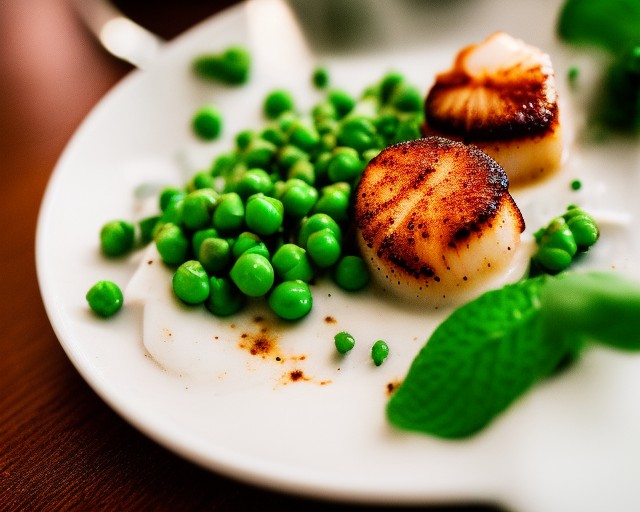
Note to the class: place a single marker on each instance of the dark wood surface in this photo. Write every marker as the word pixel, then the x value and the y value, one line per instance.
pixel 61 447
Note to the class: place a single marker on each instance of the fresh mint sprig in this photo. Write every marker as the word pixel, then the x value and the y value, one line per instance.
pixel 489 352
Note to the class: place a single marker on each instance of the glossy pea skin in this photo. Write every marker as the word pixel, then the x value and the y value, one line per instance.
pixel 291 300
pixel 379 352
pixel 342 101
pixel 229 214
pixel 324 248
pixel 105 298
pixel 334 201
pixel 317 222
pixel 172 244
pixel 345 165
pixel 259 153
pixel 583 227
pixel 344 342
pixel 147 227
pixel 252 274
pixel 264 215
pixel 245 241
pixel 291 263
pixel 214 254
pixel 277 102
pixel 167 195
pixel 200 236
pixel 351 273
pixel 117 238
pixel 557 246
pixel 191 282
pixel 207 122
pixel 224 297
pixel 254 181
pixel 198 207
pixel 298 198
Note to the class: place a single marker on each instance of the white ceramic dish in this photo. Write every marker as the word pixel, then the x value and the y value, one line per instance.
pixel 571 444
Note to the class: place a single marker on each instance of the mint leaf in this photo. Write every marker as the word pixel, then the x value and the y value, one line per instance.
pixel 602 306
pixel 477 362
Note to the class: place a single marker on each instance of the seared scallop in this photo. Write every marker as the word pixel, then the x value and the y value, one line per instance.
pixel 501 96
pixel 436 222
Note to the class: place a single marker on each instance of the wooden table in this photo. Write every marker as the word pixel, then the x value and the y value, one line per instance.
pixel 61 447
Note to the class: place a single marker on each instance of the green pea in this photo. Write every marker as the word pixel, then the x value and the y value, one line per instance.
pixel 169 194
pixel 335 203
pixel 252 274
pixel 224 297
pixel 274 135
pixel 344 166
pixel 223 164
pixel 200 236
pixel 229 214
pixel 291 300
pixel 254 181
pixel 320 77
pixel 264 214
pixel 317 222
pixel 342 101
pixel 244 138
pixel 387 125
pixel 147 227
pixel 289 155
pixel 298 198
pixel 583 227
pixel 407 98
pixel 260 249
pixel 245 241
pixel 202 179
pixel 197 208
pixel 117 237
pixel 379 352
pixel 207 122
pixel 357 133
pixel 290 263
pixel 304 137
pixel 553 258
pixel 344 342
pixel 323 248
pixel 278 102
pixel 259 153
pixel 408 129
pixel 105 298
pixel 231 67
pixel 214 254
pixel 191 282
pixel 302 170
pixel 351 273
pixel 173 210
pixel 388 85
pixel 558 236
pixel 172 244
pixel 324 111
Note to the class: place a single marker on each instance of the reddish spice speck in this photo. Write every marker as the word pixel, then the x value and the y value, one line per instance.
pixel 258 319
pixel 296 375
pixel 330 320
pixel 392 386
pixel 150 262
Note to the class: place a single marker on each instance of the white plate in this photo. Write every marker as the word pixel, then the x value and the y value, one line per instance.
pixel 571 444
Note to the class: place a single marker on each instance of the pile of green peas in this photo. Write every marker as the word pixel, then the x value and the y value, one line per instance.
pixel 563 239
pixel 273 214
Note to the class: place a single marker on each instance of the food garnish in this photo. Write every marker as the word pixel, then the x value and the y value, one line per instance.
pixel 501 96
pixel 489 352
